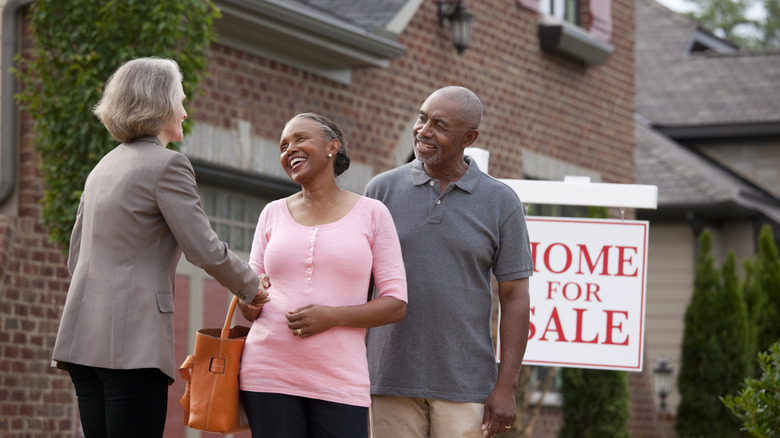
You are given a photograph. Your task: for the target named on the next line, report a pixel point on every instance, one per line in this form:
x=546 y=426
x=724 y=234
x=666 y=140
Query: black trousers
x=120 y=403
x=286 y=416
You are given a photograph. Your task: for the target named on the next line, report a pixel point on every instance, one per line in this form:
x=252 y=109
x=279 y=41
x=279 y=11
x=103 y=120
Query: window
x=566 y=10
x=233 y=215
x=578 y=29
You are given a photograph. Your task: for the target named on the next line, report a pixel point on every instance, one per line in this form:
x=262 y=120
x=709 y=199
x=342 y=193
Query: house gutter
x=9 y=135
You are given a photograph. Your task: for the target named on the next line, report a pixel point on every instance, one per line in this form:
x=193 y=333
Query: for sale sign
x=587 y=293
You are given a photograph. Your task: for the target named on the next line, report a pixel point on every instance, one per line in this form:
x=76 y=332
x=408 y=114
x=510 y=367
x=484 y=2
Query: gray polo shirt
x=451 y=242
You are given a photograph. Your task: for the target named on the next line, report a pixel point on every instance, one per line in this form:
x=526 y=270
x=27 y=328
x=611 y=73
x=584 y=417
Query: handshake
x=251 y=311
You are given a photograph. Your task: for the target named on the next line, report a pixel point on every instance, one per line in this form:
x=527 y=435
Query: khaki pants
x=395 y=417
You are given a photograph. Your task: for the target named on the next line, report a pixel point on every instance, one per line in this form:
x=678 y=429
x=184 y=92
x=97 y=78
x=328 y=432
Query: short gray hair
x=140 y=98
x=468 y=101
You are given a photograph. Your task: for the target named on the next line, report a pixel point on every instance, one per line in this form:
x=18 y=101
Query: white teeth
x=295 y=161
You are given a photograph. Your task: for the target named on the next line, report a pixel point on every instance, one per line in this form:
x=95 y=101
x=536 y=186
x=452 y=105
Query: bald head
x=471 y=106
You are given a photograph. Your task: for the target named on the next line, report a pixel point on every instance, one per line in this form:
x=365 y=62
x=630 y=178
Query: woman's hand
x=252 y=310
x=312 y=319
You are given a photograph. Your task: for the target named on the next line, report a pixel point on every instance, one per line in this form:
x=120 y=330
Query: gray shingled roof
x=685 y=179
x=675 y=87
x=365 y=14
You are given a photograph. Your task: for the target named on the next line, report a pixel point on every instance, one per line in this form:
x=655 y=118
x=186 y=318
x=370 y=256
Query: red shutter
x=530 y=4
x=601 y=19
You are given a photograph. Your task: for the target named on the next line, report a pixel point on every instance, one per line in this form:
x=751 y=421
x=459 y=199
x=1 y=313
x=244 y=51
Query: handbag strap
x=229 y=318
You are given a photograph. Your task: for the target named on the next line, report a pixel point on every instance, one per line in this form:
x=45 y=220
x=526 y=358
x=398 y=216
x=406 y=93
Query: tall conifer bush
x=715 y=351
x=762 y=294
x=596 y=403
x=77 y=44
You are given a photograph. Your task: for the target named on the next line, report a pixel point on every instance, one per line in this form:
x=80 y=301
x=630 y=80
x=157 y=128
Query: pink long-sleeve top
x=331 y=265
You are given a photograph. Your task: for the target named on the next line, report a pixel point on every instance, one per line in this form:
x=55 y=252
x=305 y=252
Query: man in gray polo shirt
x=435 y=373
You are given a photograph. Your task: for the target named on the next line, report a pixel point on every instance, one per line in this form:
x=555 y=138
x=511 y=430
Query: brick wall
x=35 y=400
x=534 y=101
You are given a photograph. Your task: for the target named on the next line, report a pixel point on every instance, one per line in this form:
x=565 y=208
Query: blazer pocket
x=165 y=302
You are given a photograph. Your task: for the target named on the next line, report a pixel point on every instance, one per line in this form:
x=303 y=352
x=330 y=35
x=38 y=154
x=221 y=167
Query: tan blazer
x=139 y=211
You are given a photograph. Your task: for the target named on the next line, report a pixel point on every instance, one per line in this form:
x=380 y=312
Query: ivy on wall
x=77 y=44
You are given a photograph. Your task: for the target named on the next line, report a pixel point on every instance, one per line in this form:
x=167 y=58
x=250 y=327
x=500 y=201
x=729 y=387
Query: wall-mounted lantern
x=460 y=22
x=662 y=375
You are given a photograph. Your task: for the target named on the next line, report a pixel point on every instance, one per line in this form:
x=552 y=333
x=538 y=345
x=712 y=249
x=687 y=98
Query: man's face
x=439 y=132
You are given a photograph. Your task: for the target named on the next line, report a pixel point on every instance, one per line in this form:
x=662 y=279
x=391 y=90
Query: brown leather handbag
x=211 y=401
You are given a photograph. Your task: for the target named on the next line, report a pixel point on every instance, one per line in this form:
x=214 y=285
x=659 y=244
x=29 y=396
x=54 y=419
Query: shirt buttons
x=438 y=201
x=431 y=183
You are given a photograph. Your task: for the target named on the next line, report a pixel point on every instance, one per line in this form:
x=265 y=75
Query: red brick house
x=556 y=79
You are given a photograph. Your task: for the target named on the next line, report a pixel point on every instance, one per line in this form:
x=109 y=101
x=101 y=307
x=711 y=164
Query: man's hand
x=262 y=296
x=500 y=412
x=252 y=310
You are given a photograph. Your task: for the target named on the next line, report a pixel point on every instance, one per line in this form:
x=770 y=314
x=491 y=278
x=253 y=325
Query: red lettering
x=552 y=286
x=622 y=259
x=578 y=337
x=558 y=328
x=547 y=258
x=592 y=265
x=531 y=326
x=534 y=245
x=566 y=287
x=611 y=325
x=594 y=292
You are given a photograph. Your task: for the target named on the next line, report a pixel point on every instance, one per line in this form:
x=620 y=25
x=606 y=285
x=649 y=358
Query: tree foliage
x=758 y=402
x=715 y=348
x=596 y=404
x=727 y=17
x=77 y=44
x=762 y=294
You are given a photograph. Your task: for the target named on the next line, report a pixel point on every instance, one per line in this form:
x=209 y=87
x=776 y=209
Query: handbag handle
x=229 y=318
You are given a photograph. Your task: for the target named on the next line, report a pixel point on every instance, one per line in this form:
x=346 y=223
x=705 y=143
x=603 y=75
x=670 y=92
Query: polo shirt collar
x=467 y=182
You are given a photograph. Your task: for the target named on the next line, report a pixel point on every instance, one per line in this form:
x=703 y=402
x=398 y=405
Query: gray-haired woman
x=138 y=212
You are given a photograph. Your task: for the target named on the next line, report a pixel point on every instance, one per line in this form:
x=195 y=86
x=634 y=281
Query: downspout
x=9 y=135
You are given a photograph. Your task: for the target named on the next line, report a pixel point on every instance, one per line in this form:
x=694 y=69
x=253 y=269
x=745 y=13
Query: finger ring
x=508 y=427
x=297 y=331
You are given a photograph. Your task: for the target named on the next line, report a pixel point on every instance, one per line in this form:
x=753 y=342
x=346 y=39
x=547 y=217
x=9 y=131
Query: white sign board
x=587 y=293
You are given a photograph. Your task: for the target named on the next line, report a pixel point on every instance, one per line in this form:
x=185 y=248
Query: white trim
x=401 y=19
x=580 y=191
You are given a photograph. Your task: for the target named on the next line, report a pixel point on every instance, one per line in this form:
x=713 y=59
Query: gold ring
x=297 y=332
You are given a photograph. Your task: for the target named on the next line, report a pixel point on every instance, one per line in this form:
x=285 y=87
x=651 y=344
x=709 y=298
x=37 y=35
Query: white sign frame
x=590 y=289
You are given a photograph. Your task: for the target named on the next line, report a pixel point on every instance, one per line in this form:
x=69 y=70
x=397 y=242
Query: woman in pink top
x=304 y=371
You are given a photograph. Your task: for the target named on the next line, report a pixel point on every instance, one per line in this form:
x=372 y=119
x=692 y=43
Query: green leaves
x=758 y=403
x=727 y=17
x=77 y=44
x=715 y=348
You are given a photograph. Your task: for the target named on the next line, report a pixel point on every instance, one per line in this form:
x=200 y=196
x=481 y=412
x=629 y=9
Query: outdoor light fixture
x=460 y=22
x=662 y=375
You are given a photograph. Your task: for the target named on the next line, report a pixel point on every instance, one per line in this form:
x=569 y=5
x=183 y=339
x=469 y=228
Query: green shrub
x=77 y=44
x=715 y=351
x=757 y=404
x=762 y=294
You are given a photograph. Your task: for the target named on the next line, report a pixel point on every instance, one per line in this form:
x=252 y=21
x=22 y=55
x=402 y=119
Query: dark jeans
x=287 y=416
x=120 y=403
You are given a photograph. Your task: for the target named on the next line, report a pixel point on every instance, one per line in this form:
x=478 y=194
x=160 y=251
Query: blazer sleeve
x=179 y=202
x=75 y=238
